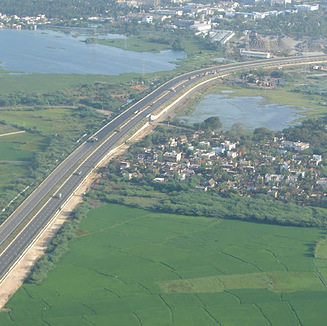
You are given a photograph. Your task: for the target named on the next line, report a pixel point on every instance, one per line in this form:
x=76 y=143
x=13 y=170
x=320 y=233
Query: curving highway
x=92 y=153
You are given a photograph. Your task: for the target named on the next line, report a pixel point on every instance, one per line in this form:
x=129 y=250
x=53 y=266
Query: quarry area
x=282 y=44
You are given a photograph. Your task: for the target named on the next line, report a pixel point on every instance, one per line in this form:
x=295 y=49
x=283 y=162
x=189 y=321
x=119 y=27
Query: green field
x=133 y=43
x=16 y=153
x=48 y=121
x=5 y=129
x=53 y=82
x=131 y=267
x=41 y=126
x=19 y=147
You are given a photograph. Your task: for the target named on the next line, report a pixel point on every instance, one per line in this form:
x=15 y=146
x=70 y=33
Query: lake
x=63 y=53
x=251 y=112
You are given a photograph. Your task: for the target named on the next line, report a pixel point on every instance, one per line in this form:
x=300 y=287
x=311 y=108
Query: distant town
x=222 y=23
x=266 y=163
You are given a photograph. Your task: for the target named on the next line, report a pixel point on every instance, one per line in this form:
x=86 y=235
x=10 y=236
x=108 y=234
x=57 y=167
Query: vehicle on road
x=93 y=139
x=59 y=195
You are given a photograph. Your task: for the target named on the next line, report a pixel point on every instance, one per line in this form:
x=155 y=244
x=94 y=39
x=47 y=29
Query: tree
x=211 y=124
x=262 y=134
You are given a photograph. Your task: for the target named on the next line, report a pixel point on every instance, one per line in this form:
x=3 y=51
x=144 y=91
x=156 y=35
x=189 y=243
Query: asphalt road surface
x=126 y=122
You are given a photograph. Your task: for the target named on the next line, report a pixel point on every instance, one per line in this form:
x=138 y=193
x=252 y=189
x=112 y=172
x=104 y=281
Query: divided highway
x=127 y=121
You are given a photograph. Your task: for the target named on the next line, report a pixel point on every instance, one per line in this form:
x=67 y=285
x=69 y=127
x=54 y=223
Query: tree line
x=59 y=245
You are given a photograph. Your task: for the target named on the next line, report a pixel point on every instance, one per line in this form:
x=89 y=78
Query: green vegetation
x=129 y=267
x=256 y=184
x=19 y=147
x=200 y=52
x=53 y=112
x=209 y=124
x=5 y=129
x=134 y=43
x=312 y=131
x=57 y=8
x=42 y=83
x=48 y=106
x=321 y=249
x=17 y=152
x=305 y=23
x=50 y=135
x=49 y=121
x=280 y=281
x=159 y=41
x=59 y=245
x=181 y=198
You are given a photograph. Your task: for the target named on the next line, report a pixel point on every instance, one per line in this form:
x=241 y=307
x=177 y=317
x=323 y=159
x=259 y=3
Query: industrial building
x=256 y=54
x=221 y=36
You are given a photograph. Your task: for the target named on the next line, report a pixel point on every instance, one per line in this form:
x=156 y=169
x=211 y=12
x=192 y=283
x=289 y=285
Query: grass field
x=135 y=43
x=47 y=121
x=17 y=151
x=53 y=82
x=19 y=147
x=125 y=267
x=5 y=129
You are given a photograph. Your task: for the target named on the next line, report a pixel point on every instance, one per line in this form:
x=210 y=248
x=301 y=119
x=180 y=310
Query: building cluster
x=276 y=167
x=261 y=15
x=204 y=19
x=27 y=22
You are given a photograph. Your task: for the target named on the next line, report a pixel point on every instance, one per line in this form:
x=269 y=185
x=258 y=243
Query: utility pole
x=143 y=66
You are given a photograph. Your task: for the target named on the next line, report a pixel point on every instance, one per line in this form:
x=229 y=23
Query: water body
x=61 y=53
x=251 y=112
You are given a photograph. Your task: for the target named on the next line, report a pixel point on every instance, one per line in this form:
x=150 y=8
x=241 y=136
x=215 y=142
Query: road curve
x=129 y=119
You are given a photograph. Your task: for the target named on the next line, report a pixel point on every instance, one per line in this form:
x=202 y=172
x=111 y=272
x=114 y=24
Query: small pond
x=251 y=112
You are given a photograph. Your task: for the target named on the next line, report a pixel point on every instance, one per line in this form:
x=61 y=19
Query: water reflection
x=251 y=112
x=65 y=53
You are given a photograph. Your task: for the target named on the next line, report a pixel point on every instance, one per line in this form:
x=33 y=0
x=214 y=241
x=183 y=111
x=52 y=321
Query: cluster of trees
x=95 y=95
x=59 y=245
x=307 y=23
x=209 y=124
x=181 y=198
x=32 y=99
x=313 y=131
x=168 y=39
x=260 y=209
x=55 y=8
